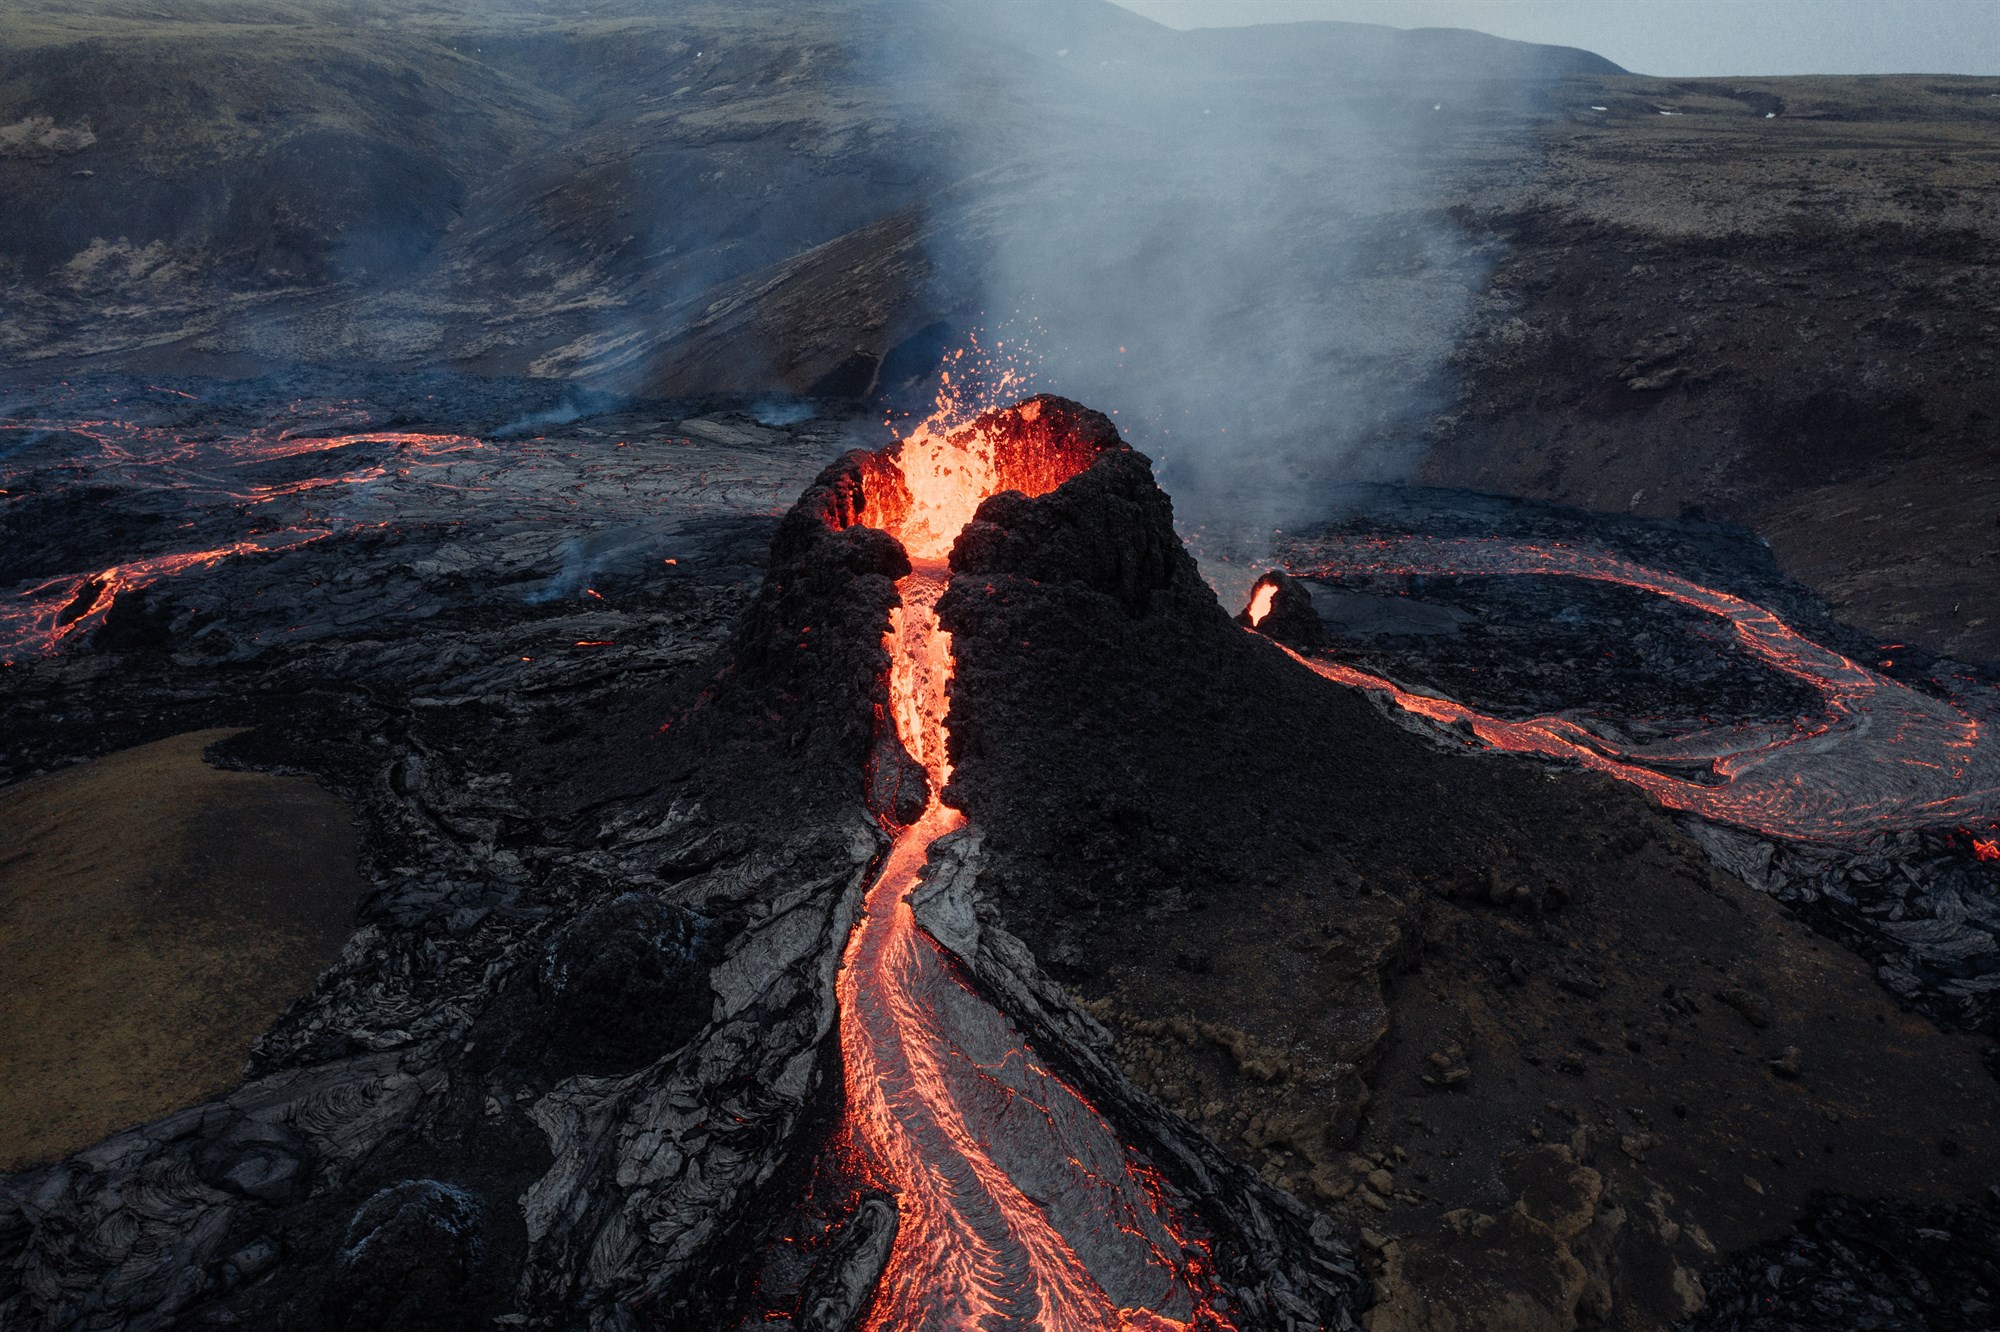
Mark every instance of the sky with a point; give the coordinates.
(1675, 38)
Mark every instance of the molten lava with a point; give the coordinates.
(202, 470)
(52, 610)
(1261, 598)
(1882, 756)
(1019, 1206)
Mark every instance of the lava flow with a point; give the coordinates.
(201, 470)
(1882, 756)
(1019, 1207)
(50, 611)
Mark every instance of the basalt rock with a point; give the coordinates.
(1103, 548)
(625, 982)
(837, 1291)
(1290, 618)
(595, 976)
(406, 1257)
(270, 1162)
(1282, 1267)
(802, 678)
(1859, 1264)
(659, 855)
(1108, 532)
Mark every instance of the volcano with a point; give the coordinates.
(955, 916)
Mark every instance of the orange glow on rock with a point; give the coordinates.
(47, 613)
(39, 618)
(951, 466)
(1880, 755)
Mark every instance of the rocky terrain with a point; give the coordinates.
(1768, 301)
(1512, 1035)
(1758, 300)
(439, 404)
(1529, 1039)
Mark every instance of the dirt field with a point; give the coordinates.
(157, 914)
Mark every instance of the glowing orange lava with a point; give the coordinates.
(1004, 1175)
(50, 611)
(1986, 848)
(1881, 756)
(201, 468)
(1261, 598)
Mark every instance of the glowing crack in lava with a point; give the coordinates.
(50, 611)
(1881, 756)
(1019, 1206)
(201, 470)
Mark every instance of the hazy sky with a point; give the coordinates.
(1674, 37)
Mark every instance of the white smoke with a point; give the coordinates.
(1238, 241)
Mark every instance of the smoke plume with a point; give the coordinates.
(1238, 241)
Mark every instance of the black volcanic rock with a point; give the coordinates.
(797, 695)
(837, 1291)
(1290, 619)
(1271, 909)
(268, 1162)
(626, 982)
(1853, 1263)
(1154, 785)
(1110, 531)
(1105, 535)
(407, 1255)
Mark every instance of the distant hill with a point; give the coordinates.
(1363, 50)
(646, 198)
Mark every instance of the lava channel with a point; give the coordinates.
(1880, 757)
(1019, 1206)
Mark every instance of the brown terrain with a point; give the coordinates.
(159, 914)
(1767, 301)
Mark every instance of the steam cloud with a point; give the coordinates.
(1237, 240)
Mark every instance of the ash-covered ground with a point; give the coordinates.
(1524, 1042)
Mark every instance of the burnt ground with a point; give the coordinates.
(1507, 1023)
(500, 717)
(1766, 301)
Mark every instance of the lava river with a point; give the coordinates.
(1019, 1206)
(1880, 756)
